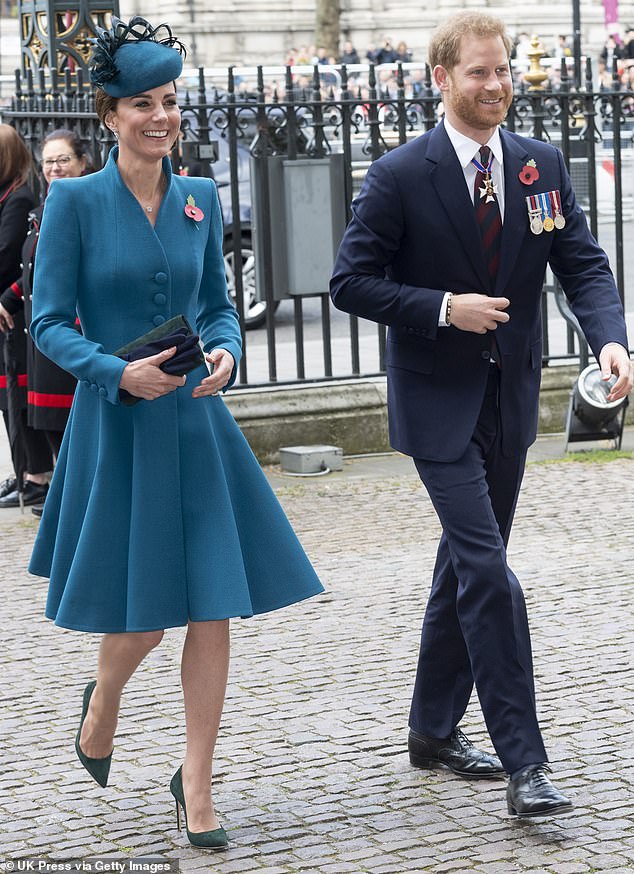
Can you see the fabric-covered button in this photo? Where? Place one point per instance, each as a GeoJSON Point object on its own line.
{"type": "Point", "coordinates": [103, 391]}
{"type": "Point", "coordinates": [85, 382]}
{"type": "Point", "coordinates": [161, 278]}
{"type": "Point", "coordinates": [159, 298]}
{"type": "Point", "coordinates": [158, 320]}
{"type": "Point", "coordinates": [486, 355]}
{"type": "Point", "coordinates": [94, 386]}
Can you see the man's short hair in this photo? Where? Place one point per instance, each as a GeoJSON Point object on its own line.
{"type": "Point", "coordinates": [444, 46]}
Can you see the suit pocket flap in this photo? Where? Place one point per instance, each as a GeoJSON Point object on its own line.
{"type": "Point", "coordinates": [417, 355]}
{"type": "Point", "coordinates": [536, 354]}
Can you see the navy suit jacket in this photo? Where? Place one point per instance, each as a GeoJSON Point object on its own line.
{"type": "Point", "coordinates": [413, 236]}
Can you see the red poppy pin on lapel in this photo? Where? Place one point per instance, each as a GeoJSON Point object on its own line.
{"type": "Point", "coordinates": [529, 172]}
{"type": "Point", "coordinates": [193, 212]}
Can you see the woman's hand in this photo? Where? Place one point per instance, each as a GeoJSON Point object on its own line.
{"type": "Point", "coordinates": [6, 320]}
{"type": "Point", "coordinates": [144, 378]}
{"type": "Point", "coordinates": [222, 367]}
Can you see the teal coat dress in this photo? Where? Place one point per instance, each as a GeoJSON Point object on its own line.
{"type": "Point", "coordinates": [157, 513]}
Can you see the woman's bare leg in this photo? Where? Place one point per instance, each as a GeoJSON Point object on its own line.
{"type": "Point", "coordinates": [119, 657]}
{"type": "Point", "coordinates": [204, 669]}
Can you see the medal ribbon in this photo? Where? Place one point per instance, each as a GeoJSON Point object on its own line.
{"type": "Point", "coordinates": [555, 199]}
{"type": "Point", "coordinates": [486, 171]}
{"type": "Point", "coordinates": [546, 208]}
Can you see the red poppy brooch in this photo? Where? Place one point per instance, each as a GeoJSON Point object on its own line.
{"type": "Point", "coordinates": [193, 212]}
{"type": "Point", "coordinates": [529, 172]}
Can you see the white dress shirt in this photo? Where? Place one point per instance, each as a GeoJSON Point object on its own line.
{"type": "Point", "coordinates": [466, 149]}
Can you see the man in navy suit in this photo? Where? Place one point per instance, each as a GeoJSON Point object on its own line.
{"type": "Point", "coordinates": [448, 245]}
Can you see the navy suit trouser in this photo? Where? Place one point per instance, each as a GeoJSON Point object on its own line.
{"type": "Point", "coordinates": [475, 627]}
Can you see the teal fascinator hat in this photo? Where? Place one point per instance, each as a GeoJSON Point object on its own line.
{"type": "Point", "coordinates": [135, 57]}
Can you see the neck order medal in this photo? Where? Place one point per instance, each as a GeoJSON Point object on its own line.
{"type": "Point", "coordinates": [489, 189]}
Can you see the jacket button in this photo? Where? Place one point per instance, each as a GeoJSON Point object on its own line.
{"type": "Point", "coordinates": [94, 386]}
{"type": "Point", "coordinates": [486, 355]}
{"type": "Point", "coordinates": [103, 391]}
{"type": "Point", "coordinates": [85, 382]}
{"type": "Point", "coordinates": [411, 330]}
{"type": "Point", "coordinates": [160, 298]}
{"type": "Point", "coordinates": [161, 278]}
{"type": "Point", "coordinates": [158, 320]}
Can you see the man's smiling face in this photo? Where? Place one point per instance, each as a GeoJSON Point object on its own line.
{"type": "Point", "coordinates": [478, 91]}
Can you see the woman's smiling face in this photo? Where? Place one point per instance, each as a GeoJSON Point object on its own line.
{"type": "Point", "coordinates": [59, 160]}
{"type": "Point", "coordinates": [147, 124]}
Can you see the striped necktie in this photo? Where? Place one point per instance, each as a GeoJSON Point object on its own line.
{"type": "Point", "coordinates": [488, 213]}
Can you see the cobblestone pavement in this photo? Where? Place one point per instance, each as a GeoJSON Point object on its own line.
{"type": "Point", "coordinates": [312, 770]}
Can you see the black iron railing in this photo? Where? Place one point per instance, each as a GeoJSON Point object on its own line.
{"type": "Point", "coordinates": [232, 132]}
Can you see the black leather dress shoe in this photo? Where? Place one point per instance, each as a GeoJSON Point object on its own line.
{"type": "Point", "coordinates": [7, 486]}
{"type": "Point", "coordinates": [455, 752]}
{"type": "Point", "coordinates": [32, 493]}
{"type": "Point", "coordinates": [532, 794]}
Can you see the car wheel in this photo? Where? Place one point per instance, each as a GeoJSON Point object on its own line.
{"type": "Point", "coordinates": [254, 310]}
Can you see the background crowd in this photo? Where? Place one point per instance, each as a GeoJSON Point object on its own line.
{"type": "Point", "coordinates": [391, 52]}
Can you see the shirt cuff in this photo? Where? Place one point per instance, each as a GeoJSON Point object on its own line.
{"type": "Point", "coordinates": [442, 315]}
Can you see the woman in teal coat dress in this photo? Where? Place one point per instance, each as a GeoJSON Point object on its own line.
{"type": "Point", "coordinates": [158, 514]}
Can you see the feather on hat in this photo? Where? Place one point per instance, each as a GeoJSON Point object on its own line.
{"type": "Point", "coordinates": [135, 57]}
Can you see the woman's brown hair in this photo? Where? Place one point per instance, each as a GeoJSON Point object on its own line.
{"type": "Point", "coordinates": [104, 104]}
{"type": "Point", "coordinates": [15, 159]}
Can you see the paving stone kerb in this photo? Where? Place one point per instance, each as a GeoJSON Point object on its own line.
{"type": "Point", "coordinates": [353, 413]}
{"type": "Point", "coordinates": [312, 773]}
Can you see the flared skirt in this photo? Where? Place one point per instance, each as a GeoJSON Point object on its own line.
{"type": "Point", "coordinates": [159, 514]}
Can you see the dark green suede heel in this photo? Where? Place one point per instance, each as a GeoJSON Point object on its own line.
{"type": "Point", "coordinates": [212, 840]}
{"type": "Point", "coordinates": [97, 768]}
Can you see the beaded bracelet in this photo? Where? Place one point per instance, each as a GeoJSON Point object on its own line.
{"type": "Point", "coordinates": [448, 313]}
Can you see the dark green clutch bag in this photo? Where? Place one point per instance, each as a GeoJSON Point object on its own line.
{"type": "Point", "coordinates": [174, 332]}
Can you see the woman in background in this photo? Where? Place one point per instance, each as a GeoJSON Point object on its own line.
{"type": "Point", "coordinates": [50, 389]}
{"type": "Point", "coordinates": [16, 202]}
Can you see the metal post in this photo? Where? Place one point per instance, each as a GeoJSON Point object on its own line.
{"type": "Point", "coordinates": [261, 149]}
{"type": "Point", "coordinates": [576, 42]}
{"type": "Point", "coordinates": [236, 222]}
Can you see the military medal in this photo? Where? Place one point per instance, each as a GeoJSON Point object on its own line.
{"type": "Point", "coordinates": [534, 215]}
{"type": "Point", "coordinates": [537, 225]}
{"type": "Point", "coordinates": [489, 189]}
{"type": "Point", "coordinates": [560, 221]}
{"type": "Point", "coordinates": [549, 224]}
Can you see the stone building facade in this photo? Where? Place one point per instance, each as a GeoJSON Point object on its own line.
{"type": "Point", "coordinates": [263, 31]}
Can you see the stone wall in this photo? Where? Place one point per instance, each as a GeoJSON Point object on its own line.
{"type": "Point", "coordinates": [262, 31]}
{"type": "Point", "coordinates": [353, 414]}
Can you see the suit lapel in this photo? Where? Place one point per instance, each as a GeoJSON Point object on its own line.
{"type": "Point", "coordinates": [448, 180]}
{"type": "Point", "coordinates": [515, 213]}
